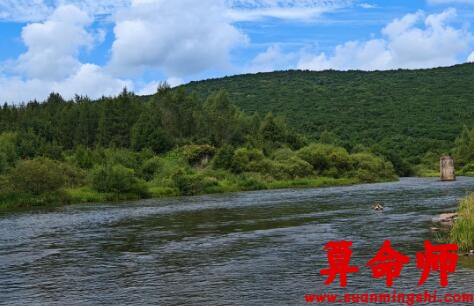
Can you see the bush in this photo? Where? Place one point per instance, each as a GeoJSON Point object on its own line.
{"type": "Point", "coordinates": [82, 157]}
{"type": "Point", "coordinates": [196, 154]}
{"type": "Point", "coordinates": [124, 157]}
{"type": "Point", "coordinates": [296, 167]}
{"type": "Point", "coordinates": [8, 150]}
{"type": "Point", "coordinates": [283, 154]}
{"type": "Point", "coordinates": [193, 184]}
{"type": "Point", "coordinates": [117, 179]}
{"type": "Point", "coordinates": [251, 181]}
{"type": "Point", "coordinates": [245, 159]}
{"type": "Point", "coordinates": [326, 157]}
{"type": "Point", "coordinates": [468, 169]}
{"type": "Point", "coordinates": [223, 158]}
{"type": "Point", "coordinates": [38, 176]}
{"type": "Point", "coordinates": [151, 167]}
{"type": "Point", "coordinates": [370, 168]}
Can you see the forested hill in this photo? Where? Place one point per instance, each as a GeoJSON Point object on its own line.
{"type": "Point", "coordinates": [407, 112]}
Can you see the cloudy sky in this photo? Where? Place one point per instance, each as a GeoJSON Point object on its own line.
{"type": "Point", "coordinates": [96, 47]}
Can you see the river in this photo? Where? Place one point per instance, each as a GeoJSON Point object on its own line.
{"type": "Point", "coordinates": [251, 248]}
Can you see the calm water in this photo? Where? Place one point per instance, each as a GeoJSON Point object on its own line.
{"type": "Point", "coordinates": [255, 248]}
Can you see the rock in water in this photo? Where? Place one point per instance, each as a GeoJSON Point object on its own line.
{"type": "Point", "coordinates": [446, 165]}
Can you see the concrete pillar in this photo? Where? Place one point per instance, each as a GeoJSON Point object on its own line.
{"type": "Point", "coordinates": [446, 165]}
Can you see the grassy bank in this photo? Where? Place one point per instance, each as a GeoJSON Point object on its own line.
{"type": "Point", "coordinates": [88, 195]}
{"type": "Point", "coordinates": [110, 174]}
{"type": "Point", "coordinates": [462, 232]}
{"type": "Point", "coordinates": [16, 202]}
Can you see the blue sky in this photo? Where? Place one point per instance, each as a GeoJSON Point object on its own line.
{"type": "Point", "coordinates": [96, 48]}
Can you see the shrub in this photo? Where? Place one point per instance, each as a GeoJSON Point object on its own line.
{"type": "Point", "coordinates": [37, 176]}
{"type": "Point", "coordinates": [283, 154]}
{"type": "Point", "coordinates": [151, 167]}
{"type": "Point", "coordinates": [223, 158]}
{"type": "Point", "coordinates": [192, 183]}
{"type": "Point", "coordinates": [296, 167]}
{"type": "Point", "coordinates": [8, 150]}
{"type": "Point", "coordinates": [117, 179]}
{"type": "Point", "coordinates": [324, 157]}
{"type": "Point", "coordinates": [82, 157]}
{"type": "Point", "coordinates": [251, 181]}
{"type": "Point", "coordinates": [124, 157]}
{"type": "Point", "coordinates": [468, 169]}
{"type": "Point", "coordinates": [196, 154]}
{"type": "Point", "coordinates": [245, 159]}
{"type": "Point", "coordinates": [3, 162]}
{"type": "Point", "coordinates": [370, 168]}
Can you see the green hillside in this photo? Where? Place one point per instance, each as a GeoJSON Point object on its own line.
{"type": "Point", "coordinates": [405, 112]}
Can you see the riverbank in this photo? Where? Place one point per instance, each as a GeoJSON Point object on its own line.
{"type": "Point", "coordinates": [462, 232]}
{"type": "Point", "coordinates": [85, 194]}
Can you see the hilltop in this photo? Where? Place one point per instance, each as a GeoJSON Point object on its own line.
{"type": "Point", "coordinates": [405, 113]}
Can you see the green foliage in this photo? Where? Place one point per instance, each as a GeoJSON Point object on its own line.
{"type": "Point", "coordinates": [151, 167]}
{"type": "Point", "coordinates": [464, 147]}
{"type": "Point", "coordinates": [462, 232]}
{"type": "Point", "coordinates": [246, 159]}
{"type": "Point", "coordinates": [223, 158]}
{"type": "Point", "coordinates": [196, 154]}
{"type": "Point", "coordinates": [117, 179]}
{"type": "Point", "coordinates": [8, 150]}
{"type": "Point", "coordinates": [42, 175]}
{"type": "Point", "coordinates": [148, 133]}
{"type": "Point", "coordinates": [283, 154]}
{"type": "Point", "coordinates": [82, 157]}
{"type": "Point", "coordinates": [468, 169]}
{"type": "Point", "coordinates": [193, 183]}
{"type": "Point", "coordinates": [326, 158]}
{"type": "Point", "coordinates": [409, 112]}
{"type": "Point", "coordinates": [205, 145]}
{"type": "Point", "coordinates": [370, 168]}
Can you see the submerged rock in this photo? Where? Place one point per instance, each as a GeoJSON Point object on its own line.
{"type": "Point", "coordinates": [378, 206]}
{"type": "Point", "coordinates": [446, 219]}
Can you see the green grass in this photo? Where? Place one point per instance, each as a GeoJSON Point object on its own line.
{"type": "Point", "coordinates": [19, 201]}
{"type": "Point", "coordinates": [426, 172]}
{"type": "Point", "coordinates": [86, 195]}
{"type": "Point", "coordinates": [160, 191]}
{"type": "Point", "coordinates": [312, 182]}
{"type": "Point", "coordinates": [225, 183]}
{"type": "Point", "coordinates": [462, 232]}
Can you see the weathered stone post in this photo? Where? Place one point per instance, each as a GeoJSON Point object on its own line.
{"type": "Point", "coordinates": [446, 165]}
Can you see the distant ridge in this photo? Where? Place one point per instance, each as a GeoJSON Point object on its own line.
{"type": "Point", "coordinates": [410, 111]}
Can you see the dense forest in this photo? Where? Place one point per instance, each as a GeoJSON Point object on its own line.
{"type": "Point", "coordinates": [173, 143]}
{"type": "Point", "coordinates": [297, 128]}
{"type": "Point", "coordinates": [410, 116]}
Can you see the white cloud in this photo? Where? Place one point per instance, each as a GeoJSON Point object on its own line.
{"type": "Point", "coordinates": [248, 10]}
{"type": "Point", "coordinates": [39, 10]}
{"type": "Point", "coordinates": [174, 37]}
{"type": "Point", "coordinates": [23, 10]}
{"type": "Point", "coordinates": [273, 58]}
{"type": "Point", "coordinates": [450, 1]}
{"type": "Point", "coordinates": [238, 10]}
{"type": "Point", "coordinates": [151, 87]}
{"type": "Point", "coordinates": [53, 45]}
{"type": "Point", "coordinates": [89, 80]}
{"type": "Point", "coordinates": [367, 5]}
{"type": "Point", "coordinates": [470, 58]}
{"type": "Point", "coordinates": [405, 44]}
{"type": "Point", "coordinates": [51, 61]}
